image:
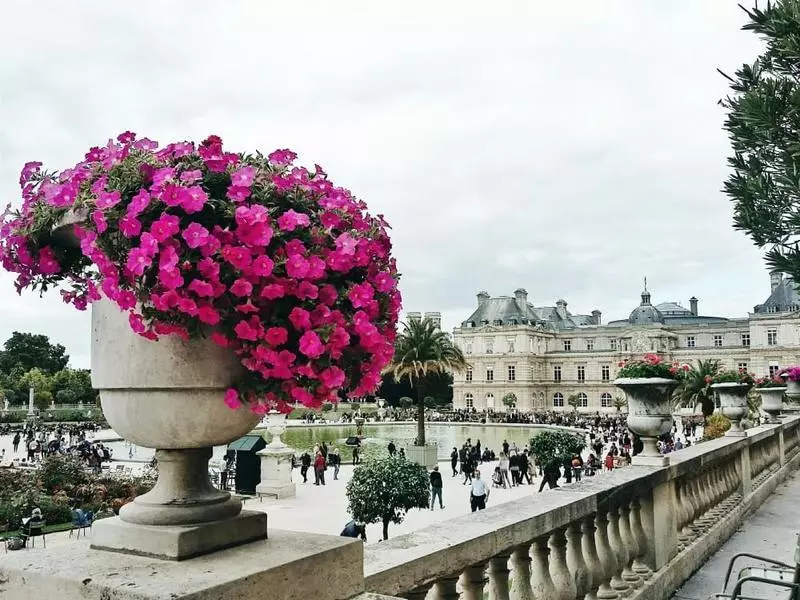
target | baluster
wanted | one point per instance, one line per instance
(472, 581)
(618, 554)
(694, 494)
(563, 583)
(498, 577)
(640, 567)
(446, 588)
(605, 591)
(594, 567)
(418, 594)
(684, 535)
(521, 573)
(541, 583)
(630, 545)
(575, 561)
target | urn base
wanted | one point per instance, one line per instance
(650, 461)
(178, 542)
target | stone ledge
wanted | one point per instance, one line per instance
(288, 566)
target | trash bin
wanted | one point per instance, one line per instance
(248, 463)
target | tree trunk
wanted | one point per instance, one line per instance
(420, 414)
(386, 520)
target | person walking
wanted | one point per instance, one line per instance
(319, 469)
(453, 461)
(436, 487)
(335, 460)
(391, 448)
(305, 463)
(356, 452)
(466, 468)
(15, 442)
(478, 492)
(504, 470)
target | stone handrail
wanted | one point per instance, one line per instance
(637, 532)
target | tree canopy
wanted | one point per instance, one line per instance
(385, 488)
(26, 351)
(555, 446)
(423, 351)
(763, 124)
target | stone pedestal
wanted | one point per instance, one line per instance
(276, 473)
(178, 542)
(287, 566)
(427, 456)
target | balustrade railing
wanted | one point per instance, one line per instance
(603, 538)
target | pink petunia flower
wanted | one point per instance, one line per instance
(290, 220)
(311, 345)
(195, 235)
(232, 400)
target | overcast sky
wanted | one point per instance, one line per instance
(570, 148)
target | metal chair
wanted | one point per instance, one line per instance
(771, 573)
(33, 529)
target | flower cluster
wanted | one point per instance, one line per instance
(732, 376)
(791, 373)
(769, 382)
(270, 260)
(650, 365)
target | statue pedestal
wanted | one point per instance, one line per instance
(276, 472)
(427, 456)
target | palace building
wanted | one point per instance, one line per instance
(539, 356)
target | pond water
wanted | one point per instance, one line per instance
(446, 436)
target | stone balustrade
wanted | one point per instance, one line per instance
(637, 532)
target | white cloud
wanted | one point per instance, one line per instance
(570, 148)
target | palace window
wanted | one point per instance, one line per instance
(583, 400)
(605, 373)
(772, 337)
(469, 348)
(690, 343)
(581, 373)
(745, 340)
(741, 366)
(490, 400)
(613, 343)
(490, 374)
(510, 343)
(558, 400)
(468, 402)
(589, 345)
(774, 368)
(567, 345)
(468, 375)
(606, 401)
(717, 341)
(512, 373)
(557, 374)
(489, 346)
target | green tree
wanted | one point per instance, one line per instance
(574, 401)
(405, 402)
(42, 385)
(695, 387)
(422, 350)
(510, 400)
(26, 351)
(77, 382)
(551, 446)
(620, 402)
(763, 124)
(384, 489)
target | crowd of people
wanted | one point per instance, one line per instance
(32, 442)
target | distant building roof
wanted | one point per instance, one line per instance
(784, 298)
(504, 310)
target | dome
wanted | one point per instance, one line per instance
(645, 313)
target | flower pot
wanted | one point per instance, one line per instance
(733, 404)
(772, 402)
(168, 395)
(649, 411)
(793, 391)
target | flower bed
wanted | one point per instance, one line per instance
(270, 260)
(651, 365)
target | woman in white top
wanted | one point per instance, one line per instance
(504, 470)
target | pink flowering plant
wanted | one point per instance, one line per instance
(650, 365)
(267, 259)
(733, 376)
(791, 373)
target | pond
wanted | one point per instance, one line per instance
(446, 436)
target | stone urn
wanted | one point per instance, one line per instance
(276, 427)
(793, 391)
(772, 402)
(649, 414)
(168, 395)
(733, 404)
(359, 426)
(276, 461)
(381, 409)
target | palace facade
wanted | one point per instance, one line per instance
(543, 355)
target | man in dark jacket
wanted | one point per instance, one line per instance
(454, 461)
(305, 463)
(436, 487)
(355, 530)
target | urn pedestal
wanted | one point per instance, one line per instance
(772, 402)
(276, 462)
(427, 455)
(168, 395)
(733, 404)
(649, 414)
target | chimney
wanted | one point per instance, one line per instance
(693, 306)
(521, 298)
(597, 317)
(775, 279)
(436, 317)
(483, 296)
(414, 316)
(561, 308)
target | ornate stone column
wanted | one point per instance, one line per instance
(575, 560)
(541, 582)
(562, 579)
(521, 573)
(498, 577)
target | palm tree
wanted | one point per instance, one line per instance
(422, 350)
(696, 386)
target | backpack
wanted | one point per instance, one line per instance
(15, 543)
